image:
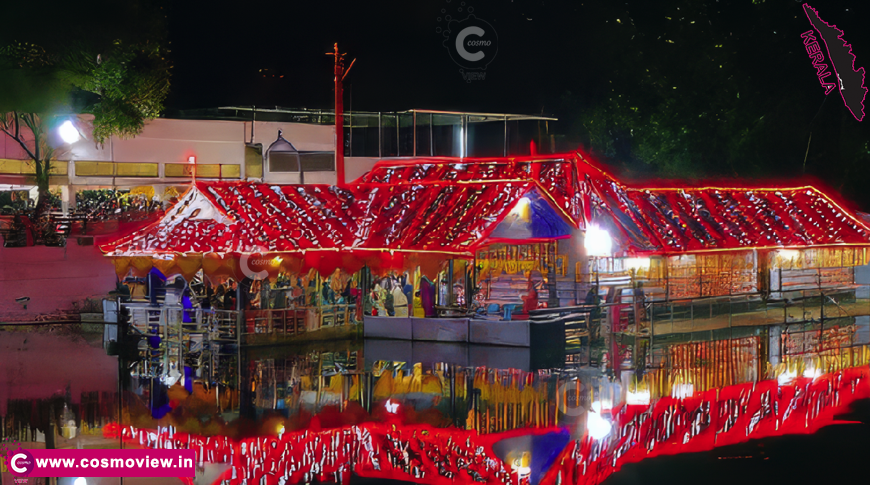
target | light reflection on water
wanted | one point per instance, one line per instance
(340, 383)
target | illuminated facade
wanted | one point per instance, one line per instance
(637, 274)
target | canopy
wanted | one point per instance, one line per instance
(452, 206)
(431, 206)
(674, 220)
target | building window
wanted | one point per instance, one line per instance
(254, 162)
(318, 161)
(203, 170)
(284, 162)
(311, 162)
(86, 168)
(25, 167)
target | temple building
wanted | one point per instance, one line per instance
(711, 284)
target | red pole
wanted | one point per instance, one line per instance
(339, 119)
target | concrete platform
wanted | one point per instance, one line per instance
(388, 327)
(440, 329)
(462, 354)
(514, 333)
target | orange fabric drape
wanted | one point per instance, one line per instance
(122, 266)
(141, 265)
(188, 265)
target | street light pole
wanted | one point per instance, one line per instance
(340, 73)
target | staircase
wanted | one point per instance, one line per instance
(510, 288)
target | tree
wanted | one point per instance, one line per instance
(711, 89)
(108, 59)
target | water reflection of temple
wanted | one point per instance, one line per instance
(434, 391)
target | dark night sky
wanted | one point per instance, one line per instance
(546, 48)
(222, 49)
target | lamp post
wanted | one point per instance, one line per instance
(68, 132)
(340, 73)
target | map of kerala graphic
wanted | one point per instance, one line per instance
(851, 80)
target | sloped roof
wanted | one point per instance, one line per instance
(676, 220)
(558, 176)
(452, 206)
(436, 206)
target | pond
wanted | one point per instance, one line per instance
(425, 412)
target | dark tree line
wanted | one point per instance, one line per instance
(720, 89)
(57, 59)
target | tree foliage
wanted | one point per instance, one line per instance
(106, 58)
(109, 59)
(715, 89)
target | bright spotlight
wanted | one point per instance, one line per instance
(69, 134)
(80, 481)
(597, 242)
(597, 426)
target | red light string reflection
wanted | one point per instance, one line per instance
(428, 455)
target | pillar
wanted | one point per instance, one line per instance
(576, 253)
(66, 201)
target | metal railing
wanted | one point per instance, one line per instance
(297, 321)
(286, 321)
(716, 313)
(282, 322)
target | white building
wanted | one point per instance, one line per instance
(233, 143)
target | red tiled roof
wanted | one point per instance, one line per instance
(437, 206)
(677, 220)
(451, 206)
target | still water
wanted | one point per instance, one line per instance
(428, 412)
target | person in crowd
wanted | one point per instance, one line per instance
(312, 292)
(230, 296)
(400, 302)
(218, 297)
(297, 294)
(279, 299)
(408, 290)
(254, 301)
(442, 294)
(530, 301)
(205, 303)
(419, 311)
(265, 294)
(187, 315)
(591, 296)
